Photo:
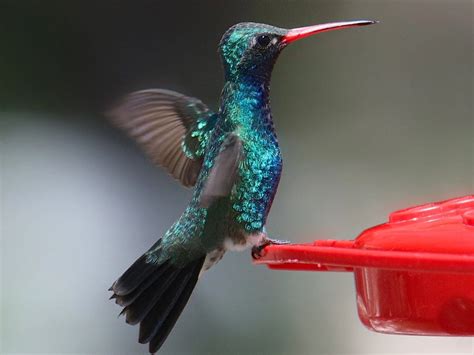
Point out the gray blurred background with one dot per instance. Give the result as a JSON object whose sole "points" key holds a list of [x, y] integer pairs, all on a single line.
{"points": [[369, 119]]}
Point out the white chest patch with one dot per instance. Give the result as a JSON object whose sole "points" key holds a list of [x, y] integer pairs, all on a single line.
{"points": [[251, 240], [216, 255]]}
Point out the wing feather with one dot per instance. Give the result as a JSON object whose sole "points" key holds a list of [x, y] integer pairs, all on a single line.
{"points": [[171, 128], [224, 172]]}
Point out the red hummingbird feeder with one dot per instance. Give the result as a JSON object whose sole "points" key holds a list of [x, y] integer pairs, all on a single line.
{"points": [[413, 274]]}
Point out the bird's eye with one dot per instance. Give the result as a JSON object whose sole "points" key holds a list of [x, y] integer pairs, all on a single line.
{"points": [[263, 41]]}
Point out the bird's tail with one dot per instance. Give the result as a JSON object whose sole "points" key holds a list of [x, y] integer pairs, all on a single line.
{"points": [[154, 295]]}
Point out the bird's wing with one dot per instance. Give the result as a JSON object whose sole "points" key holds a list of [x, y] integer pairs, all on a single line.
{"points": [[224, 172], [173, 129]]}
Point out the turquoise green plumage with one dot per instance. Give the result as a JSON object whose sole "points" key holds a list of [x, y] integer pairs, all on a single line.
{"points": [[232, 159]]}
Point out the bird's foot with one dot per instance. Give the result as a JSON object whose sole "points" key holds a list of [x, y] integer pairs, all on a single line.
{"points": [[257, 250]]}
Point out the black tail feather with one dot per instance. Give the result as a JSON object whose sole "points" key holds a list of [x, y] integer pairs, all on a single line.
{"points": [[139, 309], [134, 275], [128, 298], [167, 325], [154, 295], [162, 308]]}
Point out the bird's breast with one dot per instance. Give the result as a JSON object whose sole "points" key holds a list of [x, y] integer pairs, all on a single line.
{"points": [[259, 174]]}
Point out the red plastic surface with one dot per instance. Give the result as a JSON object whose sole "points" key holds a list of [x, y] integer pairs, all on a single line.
{"points": [[413, 274]]}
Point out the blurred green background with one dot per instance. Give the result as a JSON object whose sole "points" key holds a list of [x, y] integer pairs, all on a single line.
{"points": [[369, 119]]}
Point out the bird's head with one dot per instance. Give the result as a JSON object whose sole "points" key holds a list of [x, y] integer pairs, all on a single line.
{"points": [[249, 50]]}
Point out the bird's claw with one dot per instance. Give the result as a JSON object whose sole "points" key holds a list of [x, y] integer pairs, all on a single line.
{"points": [[277, 241], [257, 250]]}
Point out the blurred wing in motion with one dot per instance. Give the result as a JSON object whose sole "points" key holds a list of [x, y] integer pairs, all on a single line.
{"points": [[224, 172], [171, 128]]}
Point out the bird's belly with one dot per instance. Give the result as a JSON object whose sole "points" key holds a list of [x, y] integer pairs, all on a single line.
{"points": [[250, 240], [212, 258]]}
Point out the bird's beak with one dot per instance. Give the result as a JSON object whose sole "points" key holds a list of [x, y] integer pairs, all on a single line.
{"points": [[302, 32]]}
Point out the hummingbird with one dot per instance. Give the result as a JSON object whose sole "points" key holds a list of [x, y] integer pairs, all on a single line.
{"points": [[232, 159]]}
